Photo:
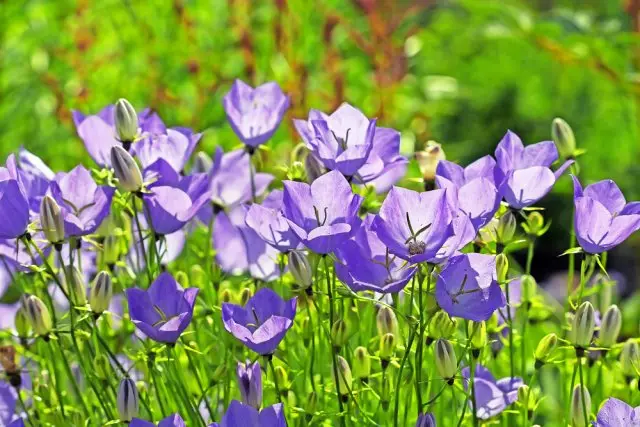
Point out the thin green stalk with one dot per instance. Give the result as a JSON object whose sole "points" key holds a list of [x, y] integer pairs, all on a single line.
{"points": [[472, 384], [74, 383], [584, 402], [56, 378], [568, 403], [275, 378], [182, 382], [142, 248], [313, 349], [194, 370], [333, 353], [510, 321], [154, 383], [523, 346], [412, 335], [530, 251]]}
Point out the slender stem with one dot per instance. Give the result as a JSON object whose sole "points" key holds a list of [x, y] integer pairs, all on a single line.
{"points": [[194, 370], [313, 349], [412, 335], [510, 321], [142, 248], [275, 379], [56, 379], [72, 378], [568, 403], [472, 384], [333, 353], [154, 381], [530, 251], [582, 387]]}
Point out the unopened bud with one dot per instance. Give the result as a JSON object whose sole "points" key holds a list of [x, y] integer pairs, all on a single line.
{"points": [[37, 314], [545, 347], [361, 363], [429, 158], [283, 378], [478, 332], [564, 138], [426, 420], [224, 296], [506, 228], [101, 292], [300, 269], [126, 120], [442, 326], [386, 321], [197, 276], [610, 326], [535, 223], [630, 358], [583, 325], [312, 402], [182, 279], [580, 403], [528, 288], [345, 378], [74, 284], [339, 333], [502, 267], [245, 295], [250, 383], [446, 360], [387, 347], [111, 249], [21, 323], [102, 367], [51, 220], [526, 397], [126, 169], [128, 400]]}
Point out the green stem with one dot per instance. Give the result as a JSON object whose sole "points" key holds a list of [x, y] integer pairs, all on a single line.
{"points": [[142, 248], [412, 335], [275, 378], [510, 321], [56, 379], [584, 402], [333, 353]]}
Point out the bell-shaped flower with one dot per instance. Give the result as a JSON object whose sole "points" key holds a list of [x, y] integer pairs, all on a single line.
{"points": [[415, 226], [34, 176], [523, 175], [262, 323], [14, 204], [173, 420], [616, 413], [468, 288], [385, 166], [174, 145], [323, 214], [341, 141], [254, 114], [250, 383], [241, 415], [364, 263], [268, 221], [492, 397], [163, 311], [603, 218]]}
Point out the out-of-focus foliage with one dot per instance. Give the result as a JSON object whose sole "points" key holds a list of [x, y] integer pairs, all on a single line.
{"points": [[458, 71]]}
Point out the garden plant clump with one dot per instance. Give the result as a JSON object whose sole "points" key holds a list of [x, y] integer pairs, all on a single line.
{"points": [[170, 286]]}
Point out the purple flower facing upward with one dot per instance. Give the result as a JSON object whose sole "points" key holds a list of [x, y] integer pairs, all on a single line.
{"points": [[414, 226], [341, 141], [254, 114], [323, 214], [262, 323], [173, 200], [463, 234], [34, 176], [492, 397], [471, 190], [268, 221], [384, 166], [603, 218], [163, 311], [616, 413], [468, 288], [241, 415], [250, 383], [364, 263], [523, 174], [84, 204], [173, 420], [173, 145]]}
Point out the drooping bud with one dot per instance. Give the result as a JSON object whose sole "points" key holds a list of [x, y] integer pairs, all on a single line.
{"points": [[250, 383], [428, 160], [386, 321], [202, 163], [564, 138], [51, 220], [580, 403], [339, 334], [441, 326], [74, 285], [361, 364], [126, 170], [506, 228], [300, 268], [446, 360], [502, 267], [630, 358], [545, 347], [387, 348], [426, 420], [583, 325], [478, 334], [610, 326], [126, 120], [528, 288], [197, 276], [345, 379], [101, 292], [128, 400], [37, 314], [245, 295]]}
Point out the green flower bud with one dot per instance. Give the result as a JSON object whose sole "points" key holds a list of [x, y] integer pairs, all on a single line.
{"points": [[579, 400], [478, 334], [339, 333], [197, 276], [182, 278], [224, 296], [492, 323], [562, 135], [305, 327], [630, 358], [506, 228], [312, 402], [361, 363], [37, 314], [126, 170], [283, 378], [583, 325], [528, 287], [345, 378], [610, 326], [126, 120], [385, 394], [545, 347], [386, 321], [111, 249], [22, 323], [446, 360], [51, 220], [387, 347], [101, 292], [429, 158], [300, 269], [502, 267], [128, 400], [535, 223], [245, 295], [73, 282], [526, 397], [442, 326], [102, 367]]}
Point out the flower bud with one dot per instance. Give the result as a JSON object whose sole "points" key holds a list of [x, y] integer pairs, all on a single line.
{"points": [[202, 163], [126, 170], [545, 347], [442, 326], [197, 276], [506, 228], [245, 295], [128, 404], [101, 292], [386, 321], [478, 334], [426, 420], [583, 325], [345, 379], [182, 279], [300, 269], [312, 402], [580, 399], [528, 287], [446, 360], [361, 364], [21, 323], [610, 326], [250, 383], [526, 397], [339, 333], [535, 223], [387, 347], [429, 158], [283, 378], [37, 314], [111, 249], [562, 135], [502, 267], [74, 285], [224, 296], [102, 367], [126, 120], [51, 220], [630, 358]]}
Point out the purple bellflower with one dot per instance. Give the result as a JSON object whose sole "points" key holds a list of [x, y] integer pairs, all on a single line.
{"points": [[364, 263], [173, 420], [616, 413], [262, 323], [523, 174], [250, 383], [241, 415], [34, 176], [14, 202], [341, 141], [254, 114], [414, 226], [384, 166], [426, 420], [603, 218], [174, 145], [164, 310], [463, 234], [8, 400], [268, 221], [492, 397], [468, 288], [323, 214]]}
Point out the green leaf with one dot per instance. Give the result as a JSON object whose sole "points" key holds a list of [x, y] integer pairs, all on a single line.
{"points": [[12, 295], [577, 250]]}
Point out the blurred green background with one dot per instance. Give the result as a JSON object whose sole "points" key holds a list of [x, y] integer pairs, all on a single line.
{"points": [[461, 72]]}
